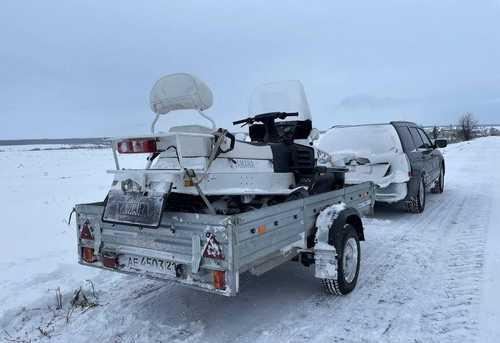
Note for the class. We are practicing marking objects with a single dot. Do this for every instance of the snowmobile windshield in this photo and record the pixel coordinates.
(285, 96)
(362, 140)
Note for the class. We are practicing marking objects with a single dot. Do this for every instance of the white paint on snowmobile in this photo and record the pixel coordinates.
(220, 165)
(191, 156)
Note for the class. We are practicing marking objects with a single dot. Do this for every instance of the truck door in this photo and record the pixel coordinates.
(434, 156)
(423, 155)
(410, 148)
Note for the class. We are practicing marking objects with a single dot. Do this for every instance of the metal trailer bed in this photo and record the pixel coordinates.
(209, 252)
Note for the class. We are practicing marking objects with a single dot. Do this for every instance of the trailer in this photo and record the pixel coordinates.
(209, 252)
(208, 207)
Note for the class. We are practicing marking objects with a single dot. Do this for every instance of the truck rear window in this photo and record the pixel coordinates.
(372, 139)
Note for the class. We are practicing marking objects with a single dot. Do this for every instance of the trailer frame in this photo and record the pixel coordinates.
(256, 241)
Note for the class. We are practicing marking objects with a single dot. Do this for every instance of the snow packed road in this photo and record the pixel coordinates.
(425, 278)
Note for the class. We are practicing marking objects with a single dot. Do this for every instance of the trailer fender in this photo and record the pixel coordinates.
(348, 215)
(330, 225)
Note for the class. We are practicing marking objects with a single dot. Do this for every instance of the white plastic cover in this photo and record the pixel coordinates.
(284, 96)
(180, 92)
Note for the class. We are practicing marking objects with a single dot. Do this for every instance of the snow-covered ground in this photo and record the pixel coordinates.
(424, 278)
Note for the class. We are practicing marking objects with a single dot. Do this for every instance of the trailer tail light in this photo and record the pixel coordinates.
(110, 260)
(88, 255)
(86, 231)
(219, 279)
(137, 146)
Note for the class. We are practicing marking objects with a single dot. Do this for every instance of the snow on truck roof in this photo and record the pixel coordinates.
(393, 123)
(365, 139)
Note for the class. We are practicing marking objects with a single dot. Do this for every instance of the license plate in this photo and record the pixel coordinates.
(143, 264)
(134, 208)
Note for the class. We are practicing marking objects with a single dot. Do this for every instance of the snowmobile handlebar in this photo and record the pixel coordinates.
(264, 117)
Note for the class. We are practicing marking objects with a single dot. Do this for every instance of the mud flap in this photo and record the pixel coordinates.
(325, 263)
(325, 255)
(330, 228)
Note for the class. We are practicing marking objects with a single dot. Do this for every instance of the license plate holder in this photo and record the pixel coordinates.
(144, 264)
(134, 208)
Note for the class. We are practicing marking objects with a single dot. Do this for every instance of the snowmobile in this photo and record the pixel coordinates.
(201, 169)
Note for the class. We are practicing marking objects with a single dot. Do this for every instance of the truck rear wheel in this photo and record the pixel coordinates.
(439, 186)
(417, 204)
(348, 262)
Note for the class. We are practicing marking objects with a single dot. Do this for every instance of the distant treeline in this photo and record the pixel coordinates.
(75, 141)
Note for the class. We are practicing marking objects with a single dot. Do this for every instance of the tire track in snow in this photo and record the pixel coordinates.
(458, 293)
(394, 298)
(408, 298)
(381, 257)
(455, 316)
(413, 297)
(427, 296)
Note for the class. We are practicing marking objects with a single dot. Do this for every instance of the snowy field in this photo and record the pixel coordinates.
(424, 278)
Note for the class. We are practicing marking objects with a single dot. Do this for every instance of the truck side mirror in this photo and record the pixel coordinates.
(440, 143)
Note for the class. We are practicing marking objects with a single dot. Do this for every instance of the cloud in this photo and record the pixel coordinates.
(78, 68)
(364, 101)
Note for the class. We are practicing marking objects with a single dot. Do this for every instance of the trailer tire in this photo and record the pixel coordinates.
(348, 263)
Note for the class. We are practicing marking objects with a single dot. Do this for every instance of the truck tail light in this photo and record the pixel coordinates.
(88, 255)
(137, 146)
(219, 279)
(409, 168)
(86, 231)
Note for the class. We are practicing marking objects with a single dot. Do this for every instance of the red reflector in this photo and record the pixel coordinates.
(219, 279)
(110, 260)
(137, 146)
(212, 248)
(88, 255)
(86, 231)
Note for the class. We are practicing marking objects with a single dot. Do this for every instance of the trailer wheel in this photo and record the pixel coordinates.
(348, 262)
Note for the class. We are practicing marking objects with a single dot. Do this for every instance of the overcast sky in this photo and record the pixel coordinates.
(85, 68)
